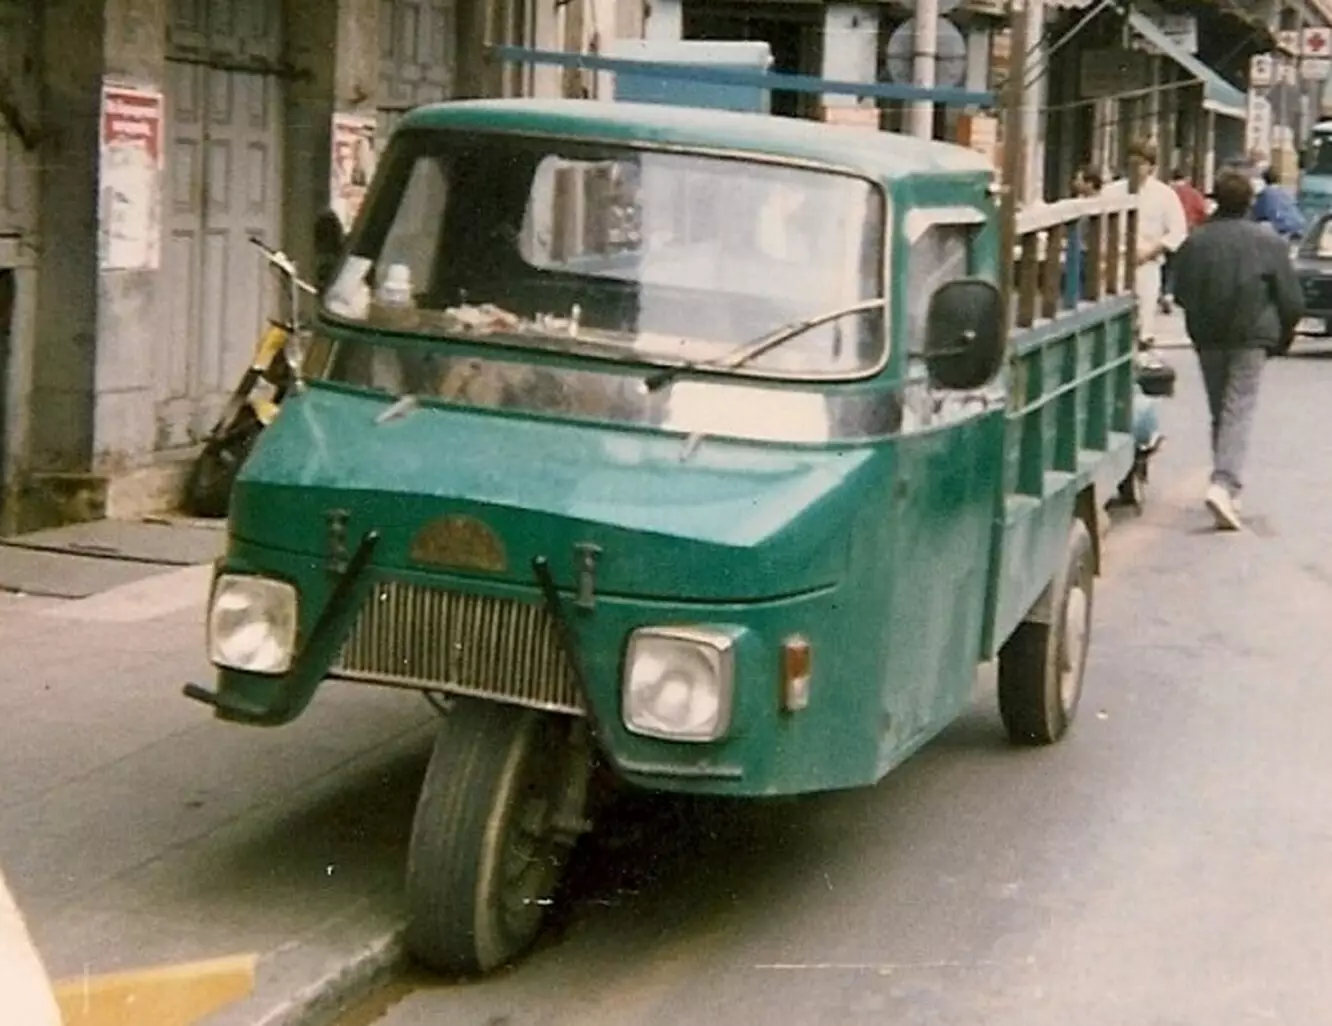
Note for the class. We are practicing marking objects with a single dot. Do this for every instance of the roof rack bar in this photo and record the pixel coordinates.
(739, 77)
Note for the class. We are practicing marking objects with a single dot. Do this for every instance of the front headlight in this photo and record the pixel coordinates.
(252, 624)
(678, 683)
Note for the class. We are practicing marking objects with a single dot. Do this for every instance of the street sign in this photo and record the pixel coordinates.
(1288, 41)
(1260, 71)
(1287, 71)
(1258, 128)
(1182, 30)
(1316, 48)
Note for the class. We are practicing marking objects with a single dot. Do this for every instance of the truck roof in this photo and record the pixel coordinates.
(878, 155)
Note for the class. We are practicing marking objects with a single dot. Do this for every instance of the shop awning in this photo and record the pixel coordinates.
(1218, 94)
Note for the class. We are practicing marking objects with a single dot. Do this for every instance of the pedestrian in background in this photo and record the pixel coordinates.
(1195, 213)
(1241, 299)
(1276, 207)
(1087, 181)
(1162, 229)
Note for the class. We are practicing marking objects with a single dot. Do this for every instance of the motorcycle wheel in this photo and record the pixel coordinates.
(208, 491)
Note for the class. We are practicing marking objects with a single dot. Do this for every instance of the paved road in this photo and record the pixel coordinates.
(1168, 865)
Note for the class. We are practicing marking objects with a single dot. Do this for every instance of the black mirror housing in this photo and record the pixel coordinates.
(964, 339)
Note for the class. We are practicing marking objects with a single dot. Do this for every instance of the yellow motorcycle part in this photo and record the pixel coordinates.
(265, 409)
(272, 343)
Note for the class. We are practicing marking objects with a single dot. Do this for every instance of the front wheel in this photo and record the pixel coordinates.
(208, 490)
(1041, 665)
(502, 805)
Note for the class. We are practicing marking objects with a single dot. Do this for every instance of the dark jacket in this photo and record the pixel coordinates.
(1237, 285)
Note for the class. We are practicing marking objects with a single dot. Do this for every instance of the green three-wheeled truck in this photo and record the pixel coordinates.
(686, 447)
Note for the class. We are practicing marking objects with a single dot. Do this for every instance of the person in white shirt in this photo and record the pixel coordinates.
(1162, 229)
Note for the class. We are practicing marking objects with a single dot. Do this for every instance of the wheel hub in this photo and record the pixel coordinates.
(1074, 645)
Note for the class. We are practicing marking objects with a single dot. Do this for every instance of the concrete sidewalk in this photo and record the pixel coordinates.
(135, 830)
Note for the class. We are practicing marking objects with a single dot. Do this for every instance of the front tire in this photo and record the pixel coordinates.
(1041, 666)
(500, 810)
(208, 490)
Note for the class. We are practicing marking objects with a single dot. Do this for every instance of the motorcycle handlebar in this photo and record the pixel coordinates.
(283, 263)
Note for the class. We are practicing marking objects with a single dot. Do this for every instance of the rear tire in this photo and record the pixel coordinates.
(1041, 666)
(500, 811)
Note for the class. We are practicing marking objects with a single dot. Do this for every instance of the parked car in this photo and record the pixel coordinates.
(1313, 264)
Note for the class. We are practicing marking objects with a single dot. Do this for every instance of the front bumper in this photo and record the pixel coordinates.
(372, 626)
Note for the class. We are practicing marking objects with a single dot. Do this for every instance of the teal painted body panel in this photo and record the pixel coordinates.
(734, 522)
(905, 558)
(1069, 430)
(758, 136)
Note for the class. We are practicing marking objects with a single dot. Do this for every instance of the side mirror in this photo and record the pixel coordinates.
(964, 340)
(329, 239)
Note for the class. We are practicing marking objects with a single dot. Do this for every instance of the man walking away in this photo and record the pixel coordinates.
(1161, 230)
(1195, 213)
(1241, 299)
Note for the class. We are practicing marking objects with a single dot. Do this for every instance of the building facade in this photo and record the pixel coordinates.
(142, 142)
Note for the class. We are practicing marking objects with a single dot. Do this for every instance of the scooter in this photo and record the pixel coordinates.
(248, 410)
(1155, 380)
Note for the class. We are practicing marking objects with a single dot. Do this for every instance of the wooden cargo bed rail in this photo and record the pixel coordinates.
(1072, 357)
(1070, 252)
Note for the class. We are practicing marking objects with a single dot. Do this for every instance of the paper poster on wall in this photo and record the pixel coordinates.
(352, 164)
(132, 161)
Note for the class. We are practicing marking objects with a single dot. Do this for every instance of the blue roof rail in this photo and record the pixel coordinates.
(730, 76)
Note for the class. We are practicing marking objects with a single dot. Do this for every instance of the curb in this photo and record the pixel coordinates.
(349, 981)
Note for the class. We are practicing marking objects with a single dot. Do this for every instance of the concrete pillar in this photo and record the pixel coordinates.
(665, 20)
(978, 59)
(850, 50)
(334, 48)
(64, 364)
(130, 326)
(90, 405)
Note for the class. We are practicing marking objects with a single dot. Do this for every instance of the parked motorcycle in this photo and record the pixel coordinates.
(1155, 380)
(275, 364)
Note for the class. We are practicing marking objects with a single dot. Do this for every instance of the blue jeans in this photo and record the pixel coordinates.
(1146, 419)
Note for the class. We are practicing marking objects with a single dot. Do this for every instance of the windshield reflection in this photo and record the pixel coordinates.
(639, 255)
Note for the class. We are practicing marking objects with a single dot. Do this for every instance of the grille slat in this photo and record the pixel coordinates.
(415, 636)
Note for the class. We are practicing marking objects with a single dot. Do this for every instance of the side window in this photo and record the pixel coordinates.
(581, 212)
(940, 254)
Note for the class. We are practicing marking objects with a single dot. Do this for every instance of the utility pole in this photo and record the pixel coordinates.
(1034, 26)
(1013, 174)
(924, 62)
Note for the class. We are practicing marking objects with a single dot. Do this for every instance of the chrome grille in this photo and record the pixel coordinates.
(500, 649)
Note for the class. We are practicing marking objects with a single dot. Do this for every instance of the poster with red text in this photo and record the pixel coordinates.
(132, 162)
(352, 164)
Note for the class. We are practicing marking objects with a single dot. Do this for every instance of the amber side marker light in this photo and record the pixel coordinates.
(797, 660)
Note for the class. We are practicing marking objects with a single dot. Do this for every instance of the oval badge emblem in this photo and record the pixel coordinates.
(461, 542)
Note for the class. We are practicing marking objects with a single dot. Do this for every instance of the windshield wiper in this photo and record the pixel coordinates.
(765, 343)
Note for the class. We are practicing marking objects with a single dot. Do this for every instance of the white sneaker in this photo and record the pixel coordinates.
(1224, 509)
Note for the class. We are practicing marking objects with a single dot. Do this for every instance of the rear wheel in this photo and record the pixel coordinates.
(501, 808)
(1041, 666)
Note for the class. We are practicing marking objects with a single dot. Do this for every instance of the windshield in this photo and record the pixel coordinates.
(1318, 157)
(631, 254)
